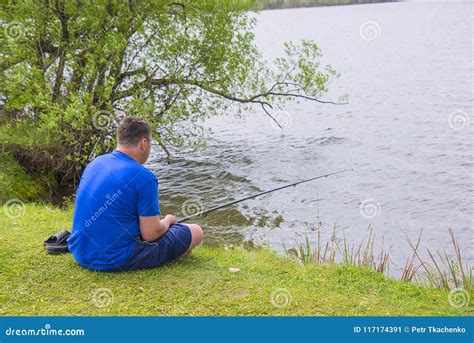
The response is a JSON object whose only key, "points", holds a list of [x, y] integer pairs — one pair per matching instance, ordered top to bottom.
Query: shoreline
{"points": [[270, 5], [200, 284]]}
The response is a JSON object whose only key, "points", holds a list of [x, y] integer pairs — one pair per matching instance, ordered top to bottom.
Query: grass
{"points": [[441, 270], [35, 283]]}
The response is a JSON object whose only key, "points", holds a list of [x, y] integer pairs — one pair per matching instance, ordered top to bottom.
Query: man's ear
{"points": [[143, 144]]}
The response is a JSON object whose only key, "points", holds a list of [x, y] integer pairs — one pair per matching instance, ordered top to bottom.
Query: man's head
{"points": [[134, 138]]}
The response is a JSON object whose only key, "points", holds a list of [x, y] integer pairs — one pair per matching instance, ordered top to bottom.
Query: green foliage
{"points": [[71, 70], [15, 183], [200, 284]]}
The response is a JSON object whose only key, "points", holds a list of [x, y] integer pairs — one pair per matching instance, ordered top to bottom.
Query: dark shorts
{"points": [[175, 242]]}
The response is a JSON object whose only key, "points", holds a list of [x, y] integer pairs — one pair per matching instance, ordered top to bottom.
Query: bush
{"points": [[15, 183]]}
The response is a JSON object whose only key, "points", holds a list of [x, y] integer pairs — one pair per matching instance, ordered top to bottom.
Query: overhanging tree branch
{"points": [[259, 98]]}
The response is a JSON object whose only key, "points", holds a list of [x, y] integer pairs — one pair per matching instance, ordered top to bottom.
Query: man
{"points": [[116, 224]]}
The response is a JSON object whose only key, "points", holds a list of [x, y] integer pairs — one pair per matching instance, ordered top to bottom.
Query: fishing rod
{"points": [[212, 209]]}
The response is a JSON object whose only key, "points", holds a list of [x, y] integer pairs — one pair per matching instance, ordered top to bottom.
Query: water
{"points": [[413, 167]]}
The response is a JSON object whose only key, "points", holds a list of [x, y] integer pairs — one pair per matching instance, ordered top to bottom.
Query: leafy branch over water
{"points": [[71, 70]]}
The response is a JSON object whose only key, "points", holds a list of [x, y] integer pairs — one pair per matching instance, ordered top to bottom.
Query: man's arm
{"points": [[152, 227]]}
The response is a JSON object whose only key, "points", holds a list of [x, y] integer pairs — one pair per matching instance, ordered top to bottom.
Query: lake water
{"points": [[407, 132]]}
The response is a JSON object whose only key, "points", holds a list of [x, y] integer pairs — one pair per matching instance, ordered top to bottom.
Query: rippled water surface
{"points": [[408, 70]]}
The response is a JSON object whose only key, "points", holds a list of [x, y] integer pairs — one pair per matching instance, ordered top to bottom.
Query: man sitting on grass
{"points": [[116, 224]]}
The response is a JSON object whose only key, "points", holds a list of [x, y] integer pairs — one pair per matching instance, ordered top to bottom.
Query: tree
{"points": [[72, 69]]}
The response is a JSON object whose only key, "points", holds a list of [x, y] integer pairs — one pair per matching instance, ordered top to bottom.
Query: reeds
{"points": [[334, 252], [363, 253], [440, 270]]}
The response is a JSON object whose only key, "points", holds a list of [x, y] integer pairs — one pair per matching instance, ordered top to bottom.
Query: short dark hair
{"points": [[131, 130]]}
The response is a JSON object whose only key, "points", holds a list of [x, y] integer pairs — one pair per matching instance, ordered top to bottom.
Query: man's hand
{"points": [[171, 219], [152, 228]]}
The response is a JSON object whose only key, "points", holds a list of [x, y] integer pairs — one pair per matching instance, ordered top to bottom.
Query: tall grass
{"points": [[334, 252], [363, 253], [440, 270]]}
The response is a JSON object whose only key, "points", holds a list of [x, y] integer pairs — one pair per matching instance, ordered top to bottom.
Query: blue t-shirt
{"points": [[113, 192]]}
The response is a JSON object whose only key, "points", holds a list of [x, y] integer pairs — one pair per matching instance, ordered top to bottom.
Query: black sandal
{"points": [[57, 243]]}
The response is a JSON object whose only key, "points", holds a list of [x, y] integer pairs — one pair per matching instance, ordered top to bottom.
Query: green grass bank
{"points": [[16, 183], [35, 283]]}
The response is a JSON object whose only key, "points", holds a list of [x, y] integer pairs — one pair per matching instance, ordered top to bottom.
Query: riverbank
{"points": [[284, 4], [35, 283]]}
